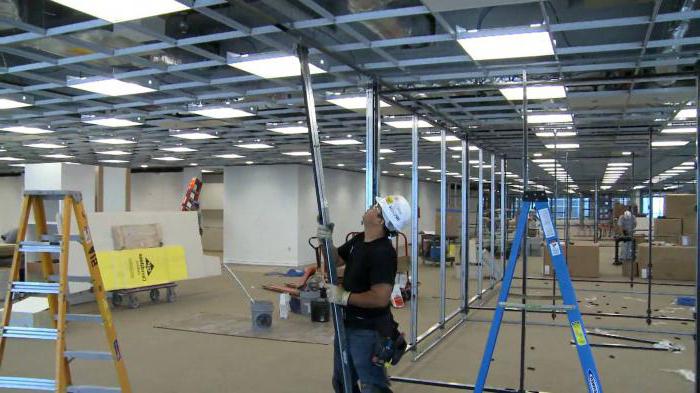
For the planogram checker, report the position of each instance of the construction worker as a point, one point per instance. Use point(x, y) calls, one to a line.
point(370, 270)
point(627, 222)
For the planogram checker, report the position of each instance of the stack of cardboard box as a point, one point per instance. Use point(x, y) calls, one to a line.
point(583, 259)
point(683, 207)
point(668, 262)
point(668, 230)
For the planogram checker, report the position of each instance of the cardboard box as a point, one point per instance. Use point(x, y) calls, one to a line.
point(669, 262)
point(454, 222)
point(689, 225)
point(629, 265)
point(668, 227)
point(583, 259)
point(668, 239)
point(31, 312)
point(679, 205)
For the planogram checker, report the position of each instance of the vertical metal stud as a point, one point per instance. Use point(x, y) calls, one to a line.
point(492, 216)
point(443, 226)
point(322, 203)
point(526, 179)
point(414, 232)
point(372, 145)
point(480, 227)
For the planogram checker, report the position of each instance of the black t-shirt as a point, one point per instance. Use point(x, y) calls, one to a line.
point(367, 264)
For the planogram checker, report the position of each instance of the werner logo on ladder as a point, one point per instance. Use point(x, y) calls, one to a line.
point(578, 331)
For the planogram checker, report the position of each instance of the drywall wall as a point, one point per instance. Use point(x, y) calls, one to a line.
point(11, 189)
point(156, 191)
point(260, 221)
point(114, 189)
point(346, 200)
point(270, 211)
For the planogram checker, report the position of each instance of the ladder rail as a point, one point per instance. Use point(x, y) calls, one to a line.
point(61, 364)
point(502, 297)
point(14, 270)
point(101, 298)
point(576, 325)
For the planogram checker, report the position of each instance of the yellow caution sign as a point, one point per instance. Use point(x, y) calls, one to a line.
point(142, 267)
point(578, 333)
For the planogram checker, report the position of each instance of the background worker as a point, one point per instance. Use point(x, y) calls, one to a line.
point(370, 270)
point(627, 222)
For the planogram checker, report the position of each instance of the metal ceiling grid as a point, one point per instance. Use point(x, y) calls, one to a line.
point(409, 44)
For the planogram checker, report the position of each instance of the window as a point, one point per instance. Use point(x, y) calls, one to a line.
point(658, 206)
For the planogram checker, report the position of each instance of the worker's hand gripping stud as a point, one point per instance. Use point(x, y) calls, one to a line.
point(325, 232)
point(337, 294)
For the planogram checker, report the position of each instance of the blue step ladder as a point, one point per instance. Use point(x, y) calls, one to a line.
point(585, 355)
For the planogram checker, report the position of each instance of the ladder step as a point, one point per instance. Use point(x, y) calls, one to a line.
point(57, 238)
point(29, 333)
point(96, 318)
point(56, 278)
point(536, 306)
point(55, 194)
point(33, 246)
point(27, 383)
point(92, 389)
point(87, 355)
point(36, 287)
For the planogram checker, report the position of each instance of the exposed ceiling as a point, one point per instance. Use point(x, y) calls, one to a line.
point(627, 66)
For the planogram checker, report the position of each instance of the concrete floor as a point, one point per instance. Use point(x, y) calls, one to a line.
point(171, 361)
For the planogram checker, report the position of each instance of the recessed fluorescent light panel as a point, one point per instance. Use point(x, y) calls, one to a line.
point(507, 46)
point(550, 118)
point(218, 112)
point(297, 153)
point(45, 145)
point(534, 92)
point(194, 135)
point(353, 102)
point(382, 151)
point(113, 161)
point(551, 134)
point(124, 10)
point(109, 121)
point(254, 146)
point(168, 158)
point(438, 138)
point(562, 146)
point(407, 123)
point(689, 113)
point(59, 156)
point(18, 101)
point(271, 65)
point(229, 156)
point(114, 152)
point(110, 86)
point(290, 130)
point(682, 130)
point(112, 141)
point(26, 130)
point(342, 142)
point(178, 149)
point(668, 143)
point(11, 159)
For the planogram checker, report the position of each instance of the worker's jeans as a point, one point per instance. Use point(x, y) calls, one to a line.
point(361, 344)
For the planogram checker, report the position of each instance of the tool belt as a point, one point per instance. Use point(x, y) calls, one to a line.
point(391, 344)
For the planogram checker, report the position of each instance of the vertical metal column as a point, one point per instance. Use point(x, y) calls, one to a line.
point(322, 203)
point(595, 212)
point(480, 227)
point(414, 233)
point(526, 179)
point(443, 225)
point(503, 213)
point(568, 206)
point(372, 142)
point(697, 221)
point(651, 223)
point(492, 216)
point(464, 249)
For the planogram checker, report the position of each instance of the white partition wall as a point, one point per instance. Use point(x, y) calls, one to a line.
point(114, 189)
point(11, 189)
point(270, 211)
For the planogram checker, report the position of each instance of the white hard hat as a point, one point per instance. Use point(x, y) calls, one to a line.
point(396, 211)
